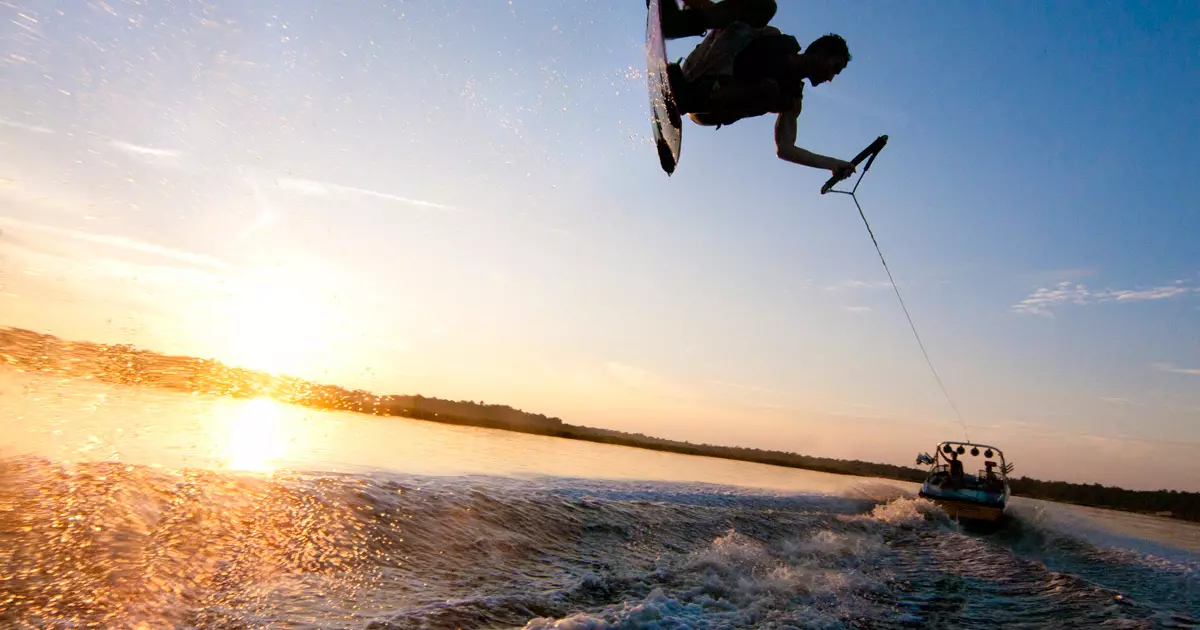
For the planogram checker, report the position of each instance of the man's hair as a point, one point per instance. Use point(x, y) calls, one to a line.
point(829, 45)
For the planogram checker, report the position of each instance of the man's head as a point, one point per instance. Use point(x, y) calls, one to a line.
point(827, 56)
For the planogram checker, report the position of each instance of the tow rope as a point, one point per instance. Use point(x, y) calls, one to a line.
point(869, 154)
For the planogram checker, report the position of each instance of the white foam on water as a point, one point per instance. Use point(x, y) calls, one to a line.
point(812, 580)
point(907, 512)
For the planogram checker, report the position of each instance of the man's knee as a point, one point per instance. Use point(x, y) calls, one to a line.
point(705, 119)
point(758, 13)
point(713, 119)
point(753, 13)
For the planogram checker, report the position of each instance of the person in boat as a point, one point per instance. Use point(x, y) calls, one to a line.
point(991, 479)
point(956, 468)
point(698, 16)
point(741, 70)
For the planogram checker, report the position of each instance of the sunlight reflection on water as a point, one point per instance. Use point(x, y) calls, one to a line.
point(77, 420)
point(80, 420)
point(257, 434)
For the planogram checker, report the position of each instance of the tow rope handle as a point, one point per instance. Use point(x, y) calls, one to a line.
point(869, 152)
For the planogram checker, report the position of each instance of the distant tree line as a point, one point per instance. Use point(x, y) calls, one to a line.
point(126, 365)
point(1183, 505)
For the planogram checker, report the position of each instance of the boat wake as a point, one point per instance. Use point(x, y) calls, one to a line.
point(119, 546)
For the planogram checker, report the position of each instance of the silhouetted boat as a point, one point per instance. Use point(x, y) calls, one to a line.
point(982, 496)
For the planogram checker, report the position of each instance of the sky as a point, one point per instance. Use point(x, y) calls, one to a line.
point(462, 199)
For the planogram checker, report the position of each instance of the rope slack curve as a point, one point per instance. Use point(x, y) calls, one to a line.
point(869, 154)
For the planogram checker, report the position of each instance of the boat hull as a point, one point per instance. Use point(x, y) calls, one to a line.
point(968, 511)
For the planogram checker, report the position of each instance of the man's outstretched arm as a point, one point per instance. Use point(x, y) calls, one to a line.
point(786, 149)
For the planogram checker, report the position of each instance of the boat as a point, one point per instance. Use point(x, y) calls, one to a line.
point(980, 497)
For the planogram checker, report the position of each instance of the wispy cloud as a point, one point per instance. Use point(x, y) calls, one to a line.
point(1168, 367)
point(848, 285)
point(1116, 400)
point(143, 151)
point(1044, 299)
point(119, 242)
point(649, 385)
point(112, 275)
point(25, 127)
point(744, 387)
point(318, 188)
point(304, 186)
point(630, 375)
point(267, 214)
point(557, 231)
point(1157, 293)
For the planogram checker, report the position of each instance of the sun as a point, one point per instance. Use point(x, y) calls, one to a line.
point(255, 436)
point(281, 320)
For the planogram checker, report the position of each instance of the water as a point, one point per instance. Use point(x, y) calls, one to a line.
point(122, 508)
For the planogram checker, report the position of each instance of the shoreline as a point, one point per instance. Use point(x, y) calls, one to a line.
point(33, 352)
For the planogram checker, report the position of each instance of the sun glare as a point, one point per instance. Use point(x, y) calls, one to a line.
point(280, 322)
point(256, 438)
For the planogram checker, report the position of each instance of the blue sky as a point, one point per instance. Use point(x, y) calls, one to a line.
point(461, 199)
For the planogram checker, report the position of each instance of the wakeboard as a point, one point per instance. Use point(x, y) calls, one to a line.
point(668, 124)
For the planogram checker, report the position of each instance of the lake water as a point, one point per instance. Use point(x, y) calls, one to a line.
point(123, 507)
